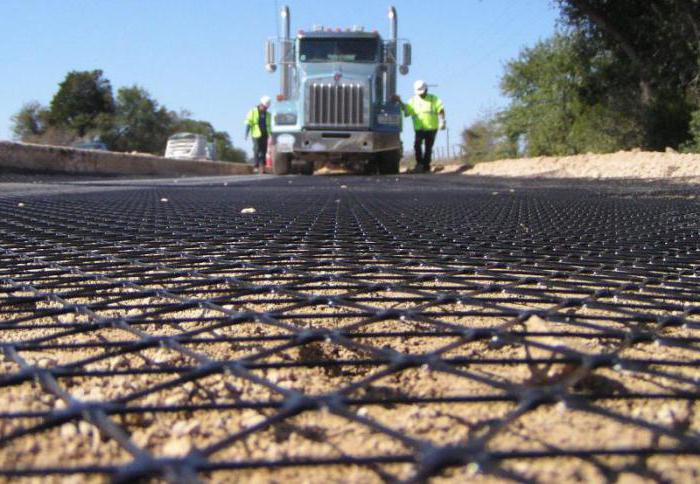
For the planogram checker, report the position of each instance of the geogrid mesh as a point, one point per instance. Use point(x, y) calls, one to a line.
point(351, 329)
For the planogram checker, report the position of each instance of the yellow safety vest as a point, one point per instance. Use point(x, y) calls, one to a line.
point(253, 120)
point(424, 111)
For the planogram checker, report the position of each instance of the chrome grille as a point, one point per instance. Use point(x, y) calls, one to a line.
point(338, 105)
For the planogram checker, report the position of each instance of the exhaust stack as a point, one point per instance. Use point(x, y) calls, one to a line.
point(286, 60)
point(391, 52)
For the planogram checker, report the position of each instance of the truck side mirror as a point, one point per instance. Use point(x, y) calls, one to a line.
point(270, 65)
point(406, 58)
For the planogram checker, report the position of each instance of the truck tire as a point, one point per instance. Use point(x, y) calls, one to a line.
point(371, 165)
point(307, 168)
point(388, 162)
point(281, 162)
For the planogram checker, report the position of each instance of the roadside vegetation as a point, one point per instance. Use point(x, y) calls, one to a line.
point(84, 108)
point(615, 76)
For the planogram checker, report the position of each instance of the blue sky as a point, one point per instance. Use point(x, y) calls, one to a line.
point(207, 56)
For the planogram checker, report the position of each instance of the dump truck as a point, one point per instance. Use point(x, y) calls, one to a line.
point(336, 101)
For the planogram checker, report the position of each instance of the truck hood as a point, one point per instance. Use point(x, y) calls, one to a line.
point(354, 71)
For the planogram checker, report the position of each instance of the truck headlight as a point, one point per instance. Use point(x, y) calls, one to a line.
point(391, 119)
point(285, 119)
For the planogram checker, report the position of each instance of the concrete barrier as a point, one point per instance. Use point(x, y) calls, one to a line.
point(41, 158)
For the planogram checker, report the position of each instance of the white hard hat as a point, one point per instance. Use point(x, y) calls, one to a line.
point(420, 87)
point(265, 101)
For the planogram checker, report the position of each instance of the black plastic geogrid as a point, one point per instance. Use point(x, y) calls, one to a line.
point(551, 302)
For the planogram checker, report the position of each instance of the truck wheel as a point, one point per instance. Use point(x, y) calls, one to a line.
point(389, 162)
point(371, 165)
point(307, 168)
point(281, 163)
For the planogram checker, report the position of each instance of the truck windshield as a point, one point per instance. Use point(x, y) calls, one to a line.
point(338, 50)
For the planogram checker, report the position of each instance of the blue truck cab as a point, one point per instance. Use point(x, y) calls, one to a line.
point(336, 102)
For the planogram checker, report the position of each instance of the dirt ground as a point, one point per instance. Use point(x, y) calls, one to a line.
point(503, 398)
point(624, 164)
point(608, 424)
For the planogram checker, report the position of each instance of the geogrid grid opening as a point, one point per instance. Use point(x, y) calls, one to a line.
point(397, 330)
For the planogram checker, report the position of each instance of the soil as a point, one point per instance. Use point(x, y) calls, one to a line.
point(392, 411)
point(609, 424)
point(624, 164)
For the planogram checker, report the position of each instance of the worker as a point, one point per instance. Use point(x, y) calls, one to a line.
point(428, 116)
point(257, 124)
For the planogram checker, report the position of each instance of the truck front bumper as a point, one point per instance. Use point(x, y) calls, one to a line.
point(336, 142)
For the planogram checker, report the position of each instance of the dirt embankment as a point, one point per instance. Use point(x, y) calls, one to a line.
point(623, 164)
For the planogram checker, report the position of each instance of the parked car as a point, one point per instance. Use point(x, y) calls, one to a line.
point(91, 145)
point(189, 146)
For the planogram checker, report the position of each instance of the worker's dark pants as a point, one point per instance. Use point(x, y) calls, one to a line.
point(424, 156)
point(259, 151)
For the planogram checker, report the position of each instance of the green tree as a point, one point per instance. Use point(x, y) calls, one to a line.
point(562, 100)
point(81, 98)
point(139, 123)
point(84, 107)
point(225, 151)
point(486, 140)
point(186, 124)
point(30, 122)
point(693, 144)
point(655, 46)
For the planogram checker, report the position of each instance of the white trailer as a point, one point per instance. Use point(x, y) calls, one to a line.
point(189, 146)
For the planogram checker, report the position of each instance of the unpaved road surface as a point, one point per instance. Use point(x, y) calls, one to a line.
point(349, 329)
